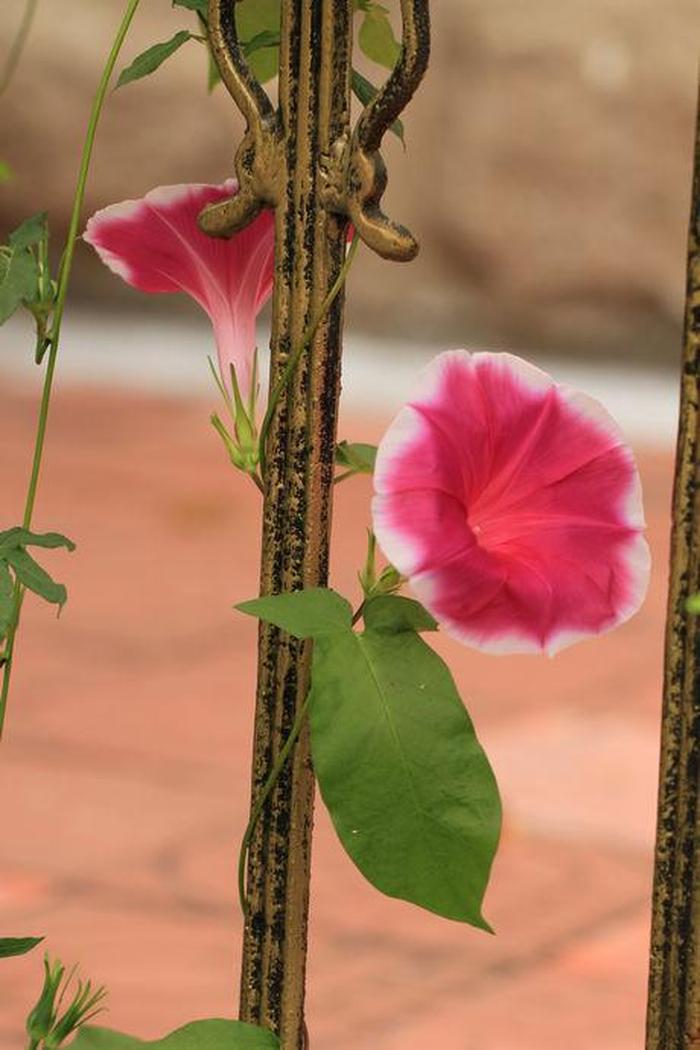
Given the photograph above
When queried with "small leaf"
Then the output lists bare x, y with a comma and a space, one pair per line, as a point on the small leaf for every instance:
5, 172
200, 6
31, 575
376, 37
17, 945
358, 457
267, 38
254, 17
365, 92
19, 537
214, 1034
304, 614
32, 231
391, 614
151, 59
19, 278
407, 784
7, 593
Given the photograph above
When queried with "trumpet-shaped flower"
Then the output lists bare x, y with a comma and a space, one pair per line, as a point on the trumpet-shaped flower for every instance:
155, 245
512, 504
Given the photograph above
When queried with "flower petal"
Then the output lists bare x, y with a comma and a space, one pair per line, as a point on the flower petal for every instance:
512, 504
155, 245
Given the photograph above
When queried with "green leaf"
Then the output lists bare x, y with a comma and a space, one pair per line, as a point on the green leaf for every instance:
32, 231
151, 59
7, 592
31, 575
391, 614
200, 6
5, 172
365, 92
254, 17
19, 278
408, 786
267, 38
17, 945
377, 38
214, 1034
304, 614
358, 457
19, 537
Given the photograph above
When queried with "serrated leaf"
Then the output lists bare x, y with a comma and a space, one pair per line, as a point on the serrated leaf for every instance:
358, 457
213, 1034
254, 17
376, 37
32, 231
200, 6
20, 537
304, 614
391, 614
151, 59
31, 575
365, 92
11, 946
407, 784
18, 281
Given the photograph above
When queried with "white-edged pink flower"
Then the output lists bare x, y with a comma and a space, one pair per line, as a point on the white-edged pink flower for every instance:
512, 504
155, 245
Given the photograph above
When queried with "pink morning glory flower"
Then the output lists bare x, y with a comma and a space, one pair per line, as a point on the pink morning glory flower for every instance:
512, 504
155, 245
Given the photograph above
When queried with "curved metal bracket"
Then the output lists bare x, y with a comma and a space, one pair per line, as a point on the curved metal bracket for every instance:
256, 158
357, 188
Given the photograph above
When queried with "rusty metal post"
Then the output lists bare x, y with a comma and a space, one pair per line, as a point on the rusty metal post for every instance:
303, 159
673, 1020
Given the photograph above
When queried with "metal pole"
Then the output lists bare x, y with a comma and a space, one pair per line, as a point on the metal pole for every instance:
673, 1019
303, 160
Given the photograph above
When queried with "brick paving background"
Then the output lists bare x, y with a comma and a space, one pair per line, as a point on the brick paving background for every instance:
124, 774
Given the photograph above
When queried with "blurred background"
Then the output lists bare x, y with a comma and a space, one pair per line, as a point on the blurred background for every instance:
547, 177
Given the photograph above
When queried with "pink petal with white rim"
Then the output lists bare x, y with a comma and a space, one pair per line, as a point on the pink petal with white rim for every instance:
512, 504
155, 245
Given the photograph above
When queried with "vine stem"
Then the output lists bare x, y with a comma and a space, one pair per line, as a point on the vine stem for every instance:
295, 356
17, 46
263, 797
55, 332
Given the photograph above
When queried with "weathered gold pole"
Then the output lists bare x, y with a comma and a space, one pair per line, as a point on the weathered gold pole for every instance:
673, 1020
303, 160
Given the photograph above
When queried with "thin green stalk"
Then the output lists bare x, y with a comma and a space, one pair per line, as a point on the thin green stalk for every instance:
55, 332
295, 355
17, 46
263, 797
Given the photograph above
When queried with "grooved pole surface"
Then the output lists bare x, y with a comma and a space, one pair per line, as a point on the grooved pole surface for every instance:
314, 88
673, 1019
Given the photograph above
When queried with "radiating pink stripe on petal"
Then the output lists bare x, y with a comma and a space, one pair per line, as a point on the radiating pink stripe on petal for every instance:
155, 245
513, 505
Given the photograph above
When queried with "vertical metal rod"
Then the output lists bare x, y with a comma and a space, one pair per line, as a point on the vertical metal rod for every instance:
673, 1018
314, 93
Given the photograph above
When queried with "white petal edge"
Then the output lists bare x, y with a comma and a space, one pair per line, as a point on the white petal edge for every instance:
403, 553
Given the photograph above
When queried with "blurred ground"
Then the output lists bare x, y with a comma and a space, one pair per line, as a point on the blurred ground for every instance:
125, 769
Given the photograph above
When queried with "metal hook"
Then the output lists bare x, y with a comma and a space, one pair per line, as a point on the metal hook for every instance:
256, 158
357, 191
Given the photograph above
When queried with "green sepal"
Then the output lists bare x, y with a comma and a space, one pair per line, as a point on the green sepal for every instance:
304, 614
214, 1034
358, 457
11, 946
153, 58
